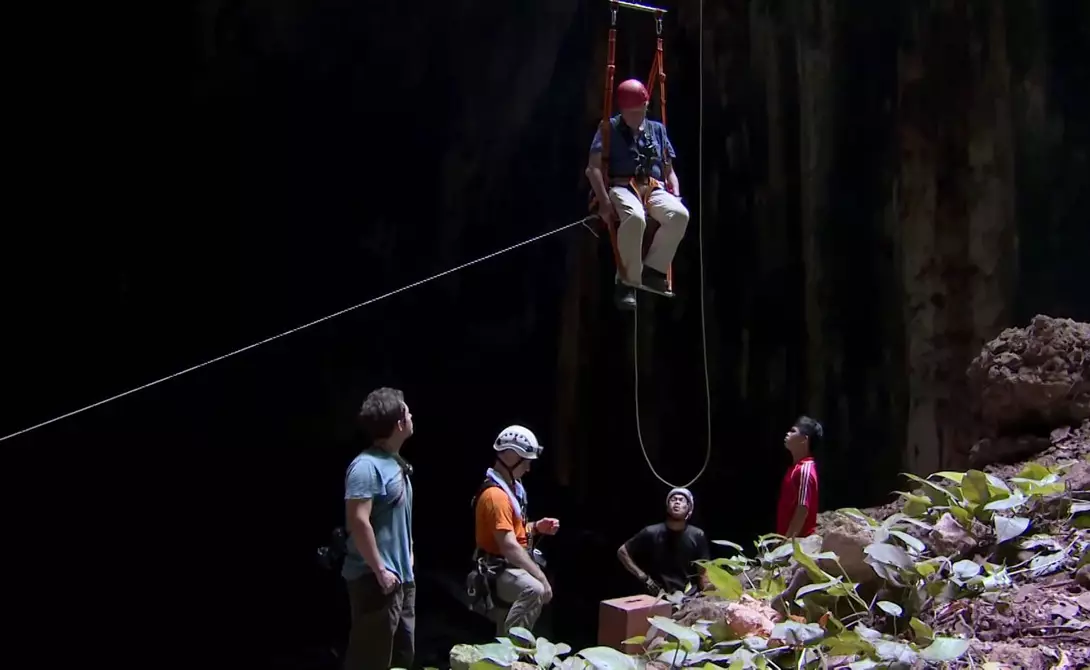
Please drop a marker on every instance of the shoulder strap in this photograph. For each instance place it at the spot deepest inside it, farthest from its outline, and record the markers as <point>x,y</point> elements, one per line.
<point>487,484</point>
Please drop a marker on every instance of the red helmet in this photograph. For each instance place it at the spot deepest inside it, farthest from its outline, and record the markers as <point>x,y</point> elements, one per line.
<point>632,93</point>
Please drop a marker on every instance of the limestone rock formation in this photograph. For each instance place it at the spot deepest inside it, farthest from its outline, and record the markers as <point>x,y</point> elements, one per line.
<point>1029,382</point>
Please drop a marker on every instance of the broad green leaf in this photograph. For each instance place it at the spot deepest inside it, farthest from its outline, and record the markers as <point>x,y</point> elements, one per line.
<point>728,543</point>
<point>607,658</point>
<point>997,485</point>
<point>1007,528</point>
<point>1043,564</point>
<point>811,588</point>
<point>856,514</point>
<point>545,653</point>
<point>888,650</point>
<point>909,540</point>
<point>966,569</point>
<point>890,573</point>
<point>779,553</point>
<point>522,635</point>
<point>892,609</point>
<point>1079,507</point>
<point>945,649</point>
<point>867,633</point>
<point>955,477</point>
<point>1015,499</point>
<point>937,494</point>
<point>915,505</point>
<point>485,665</point>
<point>1034,471</point>
<point>964,516</point>
<point>636,639</point>
<point>848,643</point>
<point>930,566</point>
<point>755,643</point>
<point>995,581</point>
<point>923,631</point>
<point>688,637</point>
<point>843,590</point>
<point>816,573</point>
<point>865,664</point>
<point>500,654</point>
<point>795,633</point>
<point>889,554</point>
<point>742,659</point>
<point>770,538</point>
<point>975,487</point>
<point>571,663</point>
<point>726,584</point>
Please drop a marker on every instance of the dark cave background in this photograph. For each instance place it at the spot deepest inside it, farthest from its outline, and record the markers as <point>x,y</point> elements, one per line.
<point>885,188</point>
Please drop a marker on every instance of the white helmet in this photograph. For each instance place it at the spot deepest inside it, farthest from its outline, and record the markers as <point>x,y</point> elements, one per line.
<point>520,440</point>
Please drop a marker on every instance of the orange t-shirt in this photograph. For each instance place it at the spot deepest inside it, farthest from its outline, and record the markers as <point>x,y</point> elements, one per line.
<point>495,513</point>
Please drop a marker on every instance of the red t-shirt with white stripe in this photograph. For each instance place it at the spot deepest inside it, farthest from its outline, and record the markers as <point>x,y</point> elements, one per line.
<point>799,487</point>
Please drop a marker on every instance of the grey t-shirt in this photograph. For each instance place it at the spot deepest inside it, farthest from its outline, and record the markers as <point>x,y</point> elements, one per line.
<point>377,475</point>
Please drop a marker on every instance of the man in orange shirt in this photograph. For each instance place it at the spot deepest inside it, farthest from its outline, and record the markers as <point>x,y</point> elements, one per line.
<point>504,535</point>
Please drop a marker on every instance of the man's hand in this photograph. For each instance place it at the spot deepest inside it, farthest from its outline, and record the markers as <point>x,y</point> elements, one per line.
<point>547,594</point>
<point>547,526</point>
<point>387,581</point>
<point>605,212</point>
<point>652,586</point>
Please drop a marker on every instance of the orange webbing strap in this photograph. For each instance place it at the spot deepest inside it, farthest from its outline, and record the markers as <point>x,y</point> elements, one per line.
<point>658,73</point>
<point>606,130</point>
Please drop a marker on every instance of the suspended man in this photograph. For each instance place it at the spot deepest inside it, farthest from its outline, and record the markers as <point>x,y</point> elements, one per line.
<point>642,183</point>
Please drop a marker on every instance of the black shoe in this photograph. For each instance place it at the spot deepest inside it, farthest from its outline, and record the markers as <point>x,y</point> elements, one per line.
<point>625,297</point>
<point>656,282</point>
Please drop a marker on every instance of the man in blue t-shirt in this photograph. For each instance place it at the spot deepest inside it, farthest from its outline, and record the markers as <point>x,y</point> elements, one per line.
<point>378,564</point>
<point>640,162</point>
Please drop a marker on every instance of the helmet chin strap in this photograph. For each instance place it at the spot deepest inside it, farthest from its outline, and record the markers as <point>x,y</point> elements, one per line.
<point>510,469</point>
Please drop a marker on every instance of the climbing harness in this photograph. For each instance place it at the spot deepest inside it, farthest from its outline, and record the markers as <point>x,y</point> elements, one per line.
<point>481,596</point>
<point>585,221</point>
<point>658,73</point>
<point>641,185</point>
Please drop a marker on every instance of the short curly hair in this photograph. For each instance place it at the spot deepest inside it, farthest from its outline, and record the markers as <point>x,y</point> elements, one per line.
<point>381,411</point>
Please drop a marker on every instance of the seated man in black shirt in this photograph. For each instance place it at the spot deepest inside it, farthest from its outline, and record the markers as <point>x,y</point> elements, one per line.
<point>662,554</point>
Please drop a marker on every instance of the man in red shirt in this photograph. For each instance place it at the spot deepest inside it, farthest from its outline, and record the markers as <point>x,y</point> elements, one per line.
<point>796,515</point>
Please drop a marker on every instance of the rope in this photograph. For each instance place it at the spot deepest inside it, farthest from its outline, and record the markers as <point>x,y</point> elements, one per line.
<point>334,315</point>
<point>703,320</point>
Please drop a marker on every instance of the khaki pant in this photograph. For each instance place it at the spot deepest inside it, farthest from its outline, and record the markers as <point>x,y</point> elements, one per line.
<point>383,626</point>
<point>523,592</point>
<point>672,217</point>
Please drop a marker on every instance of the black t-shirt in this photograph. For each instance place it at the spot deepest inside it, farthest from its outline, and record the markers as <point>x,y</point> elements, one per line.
<point>667,555</point>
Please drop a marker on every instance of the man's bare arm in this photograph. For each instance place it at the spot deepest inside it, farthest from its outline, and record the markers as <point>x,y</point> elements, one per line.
<point>672,180</point>
<point>629,564</point>
<point>517,555</point>
<point>795,527</point>
<point>359,522</point>
<point>596,178</point>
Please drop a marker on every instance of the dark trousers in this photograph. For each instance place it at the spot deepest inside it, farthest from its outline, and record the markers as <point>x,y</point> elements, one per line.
<point>383,626</point>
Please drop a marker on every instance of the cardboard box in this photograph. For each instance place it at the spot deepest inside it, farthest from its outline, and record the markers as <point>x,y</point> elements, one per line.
<point>622,618</point>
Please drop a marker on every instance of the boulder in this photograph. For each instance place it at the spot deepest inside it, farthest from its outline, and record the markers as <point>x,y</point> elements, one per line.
<point>462,656</point>
<point>1026,383</point>
<point>847,538</point>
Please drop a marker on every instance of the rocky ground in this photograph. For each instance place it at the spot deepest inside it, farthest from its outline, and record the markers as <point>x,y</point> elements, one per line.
<point>1039,621</point>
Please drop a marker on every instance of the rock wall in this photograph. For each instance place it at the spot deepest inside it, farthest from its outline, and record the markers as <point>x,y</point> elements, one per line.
<point>881,188</point>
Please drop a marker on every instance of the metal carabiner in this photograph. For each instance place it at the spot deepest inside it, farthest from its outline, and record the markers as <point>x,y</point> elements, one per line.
<point>613,16</point>
<point>658,23</point>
